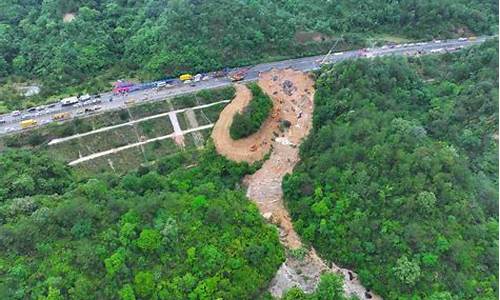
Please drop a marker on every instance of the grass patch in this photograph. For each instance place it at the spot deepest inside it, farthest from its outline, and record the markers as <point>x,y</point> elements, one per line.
<point>183,121</point>
<point>155,127</point>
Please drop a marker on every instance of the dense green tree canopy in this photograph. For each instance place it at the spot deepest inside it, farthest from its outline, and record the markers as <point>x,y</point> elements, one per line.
<point>70,46</point>
<point>398,179</point>
<point>163,233</point>
<point>253,116</point>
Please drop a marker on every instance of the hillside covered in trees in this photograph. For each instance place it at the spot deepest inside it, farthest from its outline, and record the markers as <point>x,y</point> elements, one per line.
<point>74,46</point>
<point>398,179</point>
<point>165,232</point>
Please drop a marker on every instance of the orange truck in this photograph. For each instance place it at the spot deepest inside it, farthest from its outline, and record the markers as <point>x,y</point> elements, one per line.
<point>61,116</point>
<point>238,75</point>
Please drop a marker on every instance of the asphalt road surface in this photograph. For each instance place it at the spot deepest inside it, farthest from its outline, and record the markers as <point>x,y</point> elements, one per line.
<point>11,124</point>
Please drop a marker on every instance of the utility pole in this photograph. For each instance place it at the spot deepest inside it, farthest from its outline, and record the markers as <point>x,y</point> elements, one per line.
<point>331,49</point>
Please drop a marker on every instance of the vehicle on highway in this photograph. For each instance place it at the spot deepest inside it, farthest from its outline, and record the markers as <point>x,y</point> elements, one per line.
<point>437,41</point>
<point>185,77</point>
<point>31,109</point>
<point>129,102</point>
<point>61,116</point>
<point>437,50</point>
<point>84,98</point>
<point>15,113</point>
<point>69,101</point>
<point>28,123</point>
<point>338,53</point>
<point>40,108</point>
<point>220,73</point>
<point>197,78</point>
<point>2,121</point>
<point>121,87</point>
<point>52,105</point>
<point>239,74</point>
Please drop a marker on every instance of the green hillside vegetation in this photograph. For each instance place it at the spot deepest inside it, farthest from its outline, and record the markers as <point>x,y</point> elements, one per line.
<point>252,117</point>
<point>398,178</point>
<point>168,232</point>
<point>330,287</point>
<point>110,39</point>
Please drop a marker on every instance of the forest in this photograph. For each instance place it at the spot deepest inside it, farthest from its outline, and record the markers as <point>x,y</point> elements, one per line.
<point>181,229</point>
<point>398,178</point>
<point>74,46</point>
<point>250,120</point>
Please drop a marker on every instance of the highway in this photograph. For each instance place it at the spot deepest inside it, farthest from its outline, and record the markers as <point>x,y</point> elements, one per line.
<point>11,124</point>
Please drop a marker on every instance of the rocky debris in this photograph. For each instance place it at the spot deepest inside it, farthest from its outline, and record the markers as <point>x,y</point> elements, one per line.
<point>288,87</point>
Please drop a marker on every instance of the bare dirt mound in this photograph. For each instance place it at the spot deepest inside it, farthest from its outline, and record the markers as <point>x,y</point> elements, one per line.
<point>292,93</point>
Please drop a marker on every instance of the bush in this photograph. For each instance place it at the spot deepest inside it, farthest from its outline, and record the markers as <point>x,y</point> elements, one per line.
<point>257,111</point>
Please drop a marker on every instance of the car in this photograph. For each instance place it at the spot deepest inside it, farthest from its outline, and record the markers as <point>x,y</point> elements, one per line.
<point>31,109</point>
<point>52,105</point>
<point>462,39</point>
<point>40,108</point>
<point>338,53</point>
<point>15,113</point>
<point>437,41</point>
<point>2,121</point>
<point>206,77</point>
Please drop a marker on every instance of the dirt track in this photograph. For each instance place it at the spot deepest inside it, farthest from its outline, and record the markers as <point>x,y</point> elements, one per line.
<point>239,150</point>
<point>292,93</point>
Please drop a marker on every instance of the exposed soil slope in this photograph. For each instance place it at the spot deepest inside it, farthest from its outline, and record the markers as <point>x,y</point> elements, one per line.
<point>292,93</point>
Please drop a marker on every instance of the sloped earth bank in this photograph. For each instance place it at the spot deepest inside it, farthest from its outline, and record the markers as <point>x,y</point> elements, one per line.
<point>292,93</point>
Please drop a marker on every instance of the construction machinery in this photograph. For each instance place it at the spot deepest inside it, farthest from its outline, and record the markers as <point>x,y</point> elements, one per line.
<point>185,77</point>
<point>61,116</point>
<point>28,123</point>
<point>238,75</point>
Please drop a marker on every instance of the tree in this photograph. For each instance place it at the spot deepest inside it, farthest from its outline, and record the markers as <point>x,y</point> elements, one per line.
<point>115,262</point>
<point>330,287</point>
<point>407,271</point>
<point>144,284</point>
<point>127,292</point>
<point>149,240</point>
